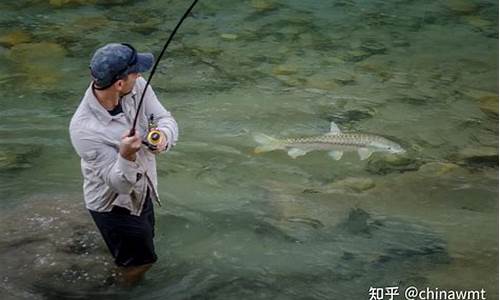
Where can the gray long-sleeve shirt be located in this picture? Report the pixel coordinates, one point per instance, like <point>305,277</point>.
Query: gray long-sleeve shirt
<point>108,178</point>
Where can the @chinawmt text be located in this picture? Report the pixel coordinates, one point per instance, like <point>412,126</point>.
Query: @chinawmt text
<point>414,293</point>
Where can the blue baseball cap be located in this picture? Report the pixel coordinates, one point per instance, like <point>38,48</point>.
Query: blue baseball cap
<point>114,61</point>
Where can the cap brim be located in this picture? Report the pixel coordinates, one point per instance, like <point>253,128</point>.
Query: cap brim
<point>144,62</point>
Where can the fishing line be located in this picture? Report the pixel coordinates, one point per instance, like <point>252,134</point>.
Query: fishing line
<point>132,130</point>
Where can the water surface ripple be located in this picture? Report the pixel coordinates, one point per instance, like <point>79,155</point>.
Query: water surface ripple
<point>239,225</point>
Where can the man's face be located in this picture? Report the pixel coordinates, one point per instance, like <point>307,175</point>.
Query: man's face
<point>128,83</point>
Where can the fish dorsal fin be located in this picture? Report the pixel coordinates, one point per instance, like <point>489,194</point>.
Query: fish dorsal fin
<point>296,152</point>
<point>364,153</point>
<point>334,129</point>
<point>336,154</point>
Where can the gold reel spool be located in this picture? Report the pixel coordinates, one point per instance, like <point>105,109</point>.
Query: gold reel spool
<point>154,137</point>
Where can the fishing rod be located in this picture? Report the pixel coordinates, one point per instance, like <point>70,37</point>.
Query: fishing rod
<point>153,137</point>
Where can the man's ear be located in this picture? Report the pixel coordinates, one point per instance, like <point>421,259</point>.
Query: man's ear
<point>119,84</point>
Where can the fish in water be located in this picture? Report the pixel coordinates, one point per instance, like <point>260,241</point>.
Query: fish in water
<point>335,142</point>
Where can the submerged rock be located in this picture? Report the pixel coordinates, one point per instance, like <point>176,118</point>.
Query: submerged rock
<point>462,7</point>
<point>343,77</point>
<point>345,117</point>
<point>57,249</point>
<point>488,101</point>
<point>263,5</point>
<point>401,42</point>
<point>229,36</point>
<point>356,55</point>
<point>350,184</point>
<point>64,3</point>
<point>40,62</point>
<point>19,158</point>
<point>373,47</point>
<point>479,23</point>
<point>439,169</point>
<point>290,80</point>
<point>314,223</point>
<point>478,157</point>
<point>477,151</point>
<point>210,46</point>
<point>90,23</point>
<point>379,69</point>
<point>145,28</point>
<point>14,38</point>
<point>337,261</point>
<point>285,69</point>
<point>392,163</point>
<point>7,160</point>
<point>322,82</point>
<point>358,222</point>
<point>82,241</point>
<point>489,104</point>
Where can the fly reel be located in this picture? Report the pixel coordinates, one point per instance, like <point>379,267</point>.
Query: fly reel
<point>153,137</point>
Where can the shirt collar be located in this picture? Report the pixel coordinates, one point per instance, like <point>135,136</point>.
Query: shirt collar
<point>96,107</point>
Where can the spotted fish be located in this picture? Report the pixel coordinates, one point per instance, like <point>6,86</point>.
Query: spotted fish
<point>335,142</point>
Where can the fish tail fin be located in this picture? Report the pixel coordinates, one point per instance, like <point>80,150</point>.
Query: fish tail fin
<point>267,143</point>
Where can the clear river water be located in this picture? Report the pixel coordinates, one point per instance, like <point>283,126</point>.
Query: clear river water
<point>240,225</point>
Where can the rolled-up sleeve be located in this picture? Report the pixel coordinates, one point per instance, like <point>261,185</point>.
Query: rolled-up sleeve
<point>165,120</point>
<point>106,163</point>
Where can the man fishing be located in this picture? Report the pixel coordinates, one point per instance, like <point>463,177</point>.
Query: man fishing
<point>119,164</point>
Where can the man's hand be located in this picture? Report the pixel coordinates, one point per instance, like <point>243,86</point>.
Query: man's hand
<point>129,146</point>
